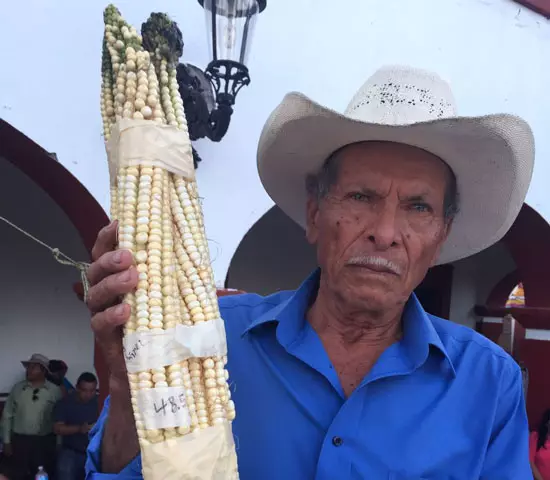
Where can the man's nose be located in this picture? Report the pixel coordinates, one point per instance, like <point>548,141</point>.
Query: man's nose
<point>383,232</point>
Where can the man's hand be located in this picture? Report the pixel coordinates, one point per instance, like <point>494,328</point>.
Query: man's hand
<point>111,275</point>
<point>8,451</point>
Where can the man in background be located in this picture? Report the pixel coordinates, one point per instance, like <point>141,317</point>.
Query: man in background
<point>74,416</point>
<point>27,421</point>
<point>58,375</point>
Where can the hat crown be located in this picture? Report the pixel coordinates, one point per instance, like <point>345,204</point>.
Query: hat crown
<point>398,95</point>
<point>38,358</point>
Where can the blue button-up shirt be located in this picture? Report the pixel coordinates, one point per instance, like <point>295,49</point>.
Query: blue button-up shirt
<point>442,403</point>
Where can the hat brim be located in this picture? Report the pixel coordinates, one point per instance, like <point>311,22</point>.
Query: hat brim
<point>491,156</point>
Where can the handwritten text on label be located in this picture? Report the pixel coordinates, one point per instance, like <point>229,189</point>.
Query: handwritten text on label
<point>130,353</point>
<point>164,407</point>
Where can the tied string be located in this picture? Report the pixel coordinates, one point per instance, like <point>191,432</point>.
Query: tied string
<point>59,256</point>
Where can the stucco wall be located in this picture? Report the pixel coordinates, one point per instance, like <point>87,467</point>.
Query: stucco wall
<point>494,52</point>
<point>39,313</point>
<point>474,278</point>
<point>273,256</point>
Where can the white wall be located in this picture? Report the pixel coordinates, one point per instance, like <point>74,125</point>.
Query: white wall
<point>39,312</point>
<point>494,52</point>
<point>273,256</point>
<point>473,280</point>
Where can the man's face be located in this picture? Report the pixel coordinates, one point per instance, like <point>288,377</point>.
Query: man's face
<point>86,391</point>
<point>34,372</point>
<point>386,206</point>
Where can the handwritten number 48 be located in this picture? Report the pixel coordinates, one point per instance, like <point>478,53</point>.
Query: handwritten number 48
<point>172,404</point>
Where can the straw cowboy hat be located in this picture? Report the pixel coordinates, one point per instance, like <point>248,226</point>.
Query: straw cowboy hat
<point>38,359</point>
<point>491,156</point>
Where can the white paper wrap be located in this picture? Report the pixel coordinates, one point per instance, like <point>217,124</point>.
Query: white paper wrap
<point>205,339</point>
<point>207,454</point>
<point>148,350</point>
<point>142,142</point>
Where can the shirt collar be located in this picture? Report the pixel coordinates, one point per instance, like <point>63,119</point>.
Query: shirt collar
<point>46,385</point>
<point>419,334</point>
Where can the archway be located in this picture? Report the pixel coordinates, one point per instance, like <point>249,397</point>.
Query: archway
<point>39,194</point>
<point>527,241</point>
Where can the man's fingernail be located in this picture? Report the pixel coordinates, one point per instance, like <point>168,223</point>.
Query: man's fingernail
<point>119,310</point>
<point>118,256</point>
<point>124,276</point>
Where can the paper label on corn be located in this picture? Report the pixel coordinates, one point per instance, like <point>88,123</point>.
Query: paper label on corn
<point>205,339</point>
<point>142,142</point>
<point>150,350</point>
<point>204,454</point>
<point>163,407</point>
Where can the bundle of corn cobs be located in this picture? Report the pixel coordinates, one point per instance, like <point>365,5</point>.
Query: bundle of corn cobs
<point>178,400</point>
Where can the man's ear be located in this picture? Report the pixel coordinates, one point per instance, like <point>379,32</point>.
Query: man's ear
<point>312,218</point>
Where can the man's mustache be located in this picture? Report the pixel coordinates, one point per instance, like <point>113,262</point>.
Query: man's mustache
<point>375,261</point>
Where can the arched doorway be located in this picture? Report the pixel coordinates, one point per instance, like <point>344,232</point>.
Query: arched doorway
<point>41,313</point>
<point>528,242</point>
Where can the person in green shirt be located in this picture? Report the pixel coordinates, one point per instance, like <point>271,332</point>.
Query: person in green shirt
<point>27,419</point>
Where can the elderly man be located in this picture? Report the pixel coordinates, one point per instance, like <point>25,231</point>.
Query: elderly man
<point>348,377</point>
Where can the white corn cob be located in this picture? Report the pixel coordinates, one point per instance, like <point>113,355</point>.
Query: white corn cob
<point>161,223</point>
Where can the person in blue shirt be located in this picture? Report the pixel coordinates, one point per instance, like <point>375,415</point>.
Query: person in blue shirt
<point>348,377</point>
<point>74,416</point>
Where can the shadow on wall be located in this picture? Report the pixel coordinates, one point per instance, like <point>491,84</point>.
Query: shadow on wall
<point>273,255</point>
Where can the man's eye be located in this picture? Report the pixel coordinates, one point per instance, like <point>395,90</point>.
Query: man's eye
<point>359,196</point>
<point>421,207</point>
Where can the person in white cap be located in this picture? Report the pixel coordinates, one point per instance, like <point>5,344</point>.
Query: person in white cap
<point>27,419</point>
<point>348,377</point>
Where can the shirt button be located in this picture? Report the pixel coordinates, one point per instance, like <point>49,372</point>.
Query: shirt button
<point>337,441</point>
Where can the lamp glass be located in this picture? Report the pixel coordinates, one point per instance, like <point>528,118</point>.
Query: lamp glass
<point>230,26</point>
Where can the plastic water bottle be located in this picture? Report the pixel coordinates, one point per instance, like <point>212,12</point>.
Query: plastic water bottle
<point>41,474</point>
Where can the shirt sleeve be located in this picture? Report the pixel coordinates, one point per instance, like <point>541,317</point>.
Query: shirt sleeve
<point>132,471</point>
<point>507,456</point>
